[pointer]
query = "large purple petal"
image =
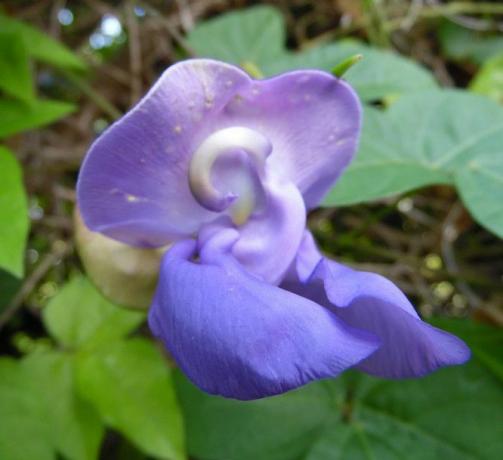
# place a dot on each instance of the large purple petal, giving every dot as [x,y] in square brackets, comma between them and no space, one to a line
[133,185]
[313,121]
[238,337]
[410,347]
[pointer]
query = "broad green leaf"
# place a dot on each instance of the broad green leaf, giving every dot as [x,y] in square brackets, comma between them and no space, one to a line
[460,43]
[17,116]
[252,35]
[131,386]
[281,427]
[435,137]
[15,72]
[450,415]
[486,342]
[379,74]
[13,215]
[24,433]
[40,414]
[41,46]
[256,35]
[75,428]
[480,183]
[79,315]
[489,79]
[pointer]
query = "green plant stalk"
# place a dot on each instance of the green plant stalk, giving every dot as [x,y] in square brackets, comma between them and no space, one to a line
[96,97]
[463,8]
[450,9]
[376,23]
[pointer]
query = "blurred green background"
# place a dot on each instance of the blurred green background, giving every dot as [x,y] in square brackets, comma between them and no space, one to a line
[81,378]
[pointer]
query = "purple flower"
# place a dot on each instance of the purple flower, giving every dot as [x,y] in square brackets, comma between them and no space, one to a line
[226,167]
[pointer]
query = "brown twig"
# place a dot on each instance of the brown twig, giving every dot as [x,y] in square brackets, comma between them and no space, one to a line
[59,250]
[171,27]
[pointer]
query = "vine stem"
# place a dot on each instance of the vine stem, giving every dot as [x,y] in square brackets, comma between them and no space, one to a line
[376,23]
[449,9]
[425,12]
[107,107]
[463,8]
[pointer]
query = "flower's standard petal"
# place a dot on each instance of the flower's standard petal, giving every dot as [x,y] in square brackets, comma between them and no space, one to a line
[312,120]
[410,347]
[133,185]
[238,337]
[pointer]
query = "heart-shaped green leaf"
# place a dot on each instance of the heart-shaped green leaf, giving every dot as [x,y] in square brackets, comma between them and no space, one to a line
[452,414]
[434,137]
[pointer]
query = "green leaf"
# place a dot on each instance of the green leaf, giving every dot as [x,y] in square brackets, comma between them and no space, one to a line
[449,415]
[17,116]
[13,215]
[24,433]
[437,137]
[281,427]
[130,385]
[460,43]
[489,79]
[480,184]
[252,35]
[378,75]
[9,285]
[40,413]
[80,316]
[41,46]
[256,36]
[75,428]
[486,342]
[15,71]
[452,414]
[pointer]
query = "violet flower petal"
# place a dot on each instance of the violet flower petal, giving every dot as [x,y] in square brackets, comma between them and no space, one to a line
[313,121]
[276,226]
[409,347]
[238,337]
[268,242]
[133,185]
[307,258]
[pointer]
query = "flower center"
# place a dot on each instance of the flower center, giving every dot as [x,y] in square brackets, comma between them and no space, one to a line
[237,155]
